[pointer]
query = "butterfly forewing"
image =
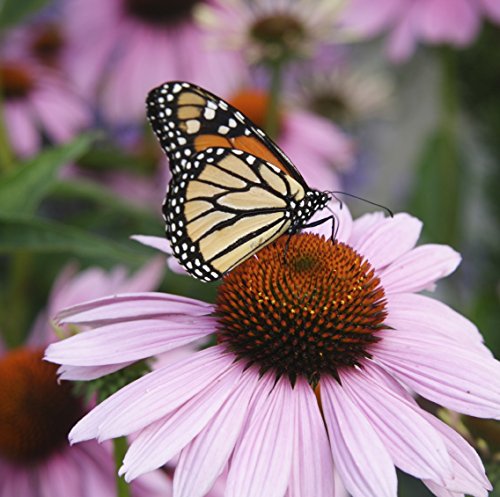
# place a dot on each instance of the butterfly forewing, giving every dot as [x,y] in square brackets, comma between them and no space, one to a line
[224,207]
[232,191]
[188,119]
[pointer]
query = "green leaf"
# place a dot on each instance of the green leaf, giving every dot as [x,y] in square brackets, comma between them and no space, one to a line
[14,11]
[35,234]
[437,189]
[88,190]
[22,190]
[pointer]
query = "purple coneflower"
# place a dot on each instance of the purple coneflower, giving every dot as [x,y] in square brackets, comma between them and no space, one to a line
[38,103]
[313,358]
[37,412]
[455,22]
[273,31]
[122,48]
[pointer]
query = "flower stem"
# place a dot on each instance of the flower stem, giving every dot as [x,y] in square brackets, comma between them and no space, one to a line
[120,447]
[6,155]
[14,322]
[449,163]
[272,116]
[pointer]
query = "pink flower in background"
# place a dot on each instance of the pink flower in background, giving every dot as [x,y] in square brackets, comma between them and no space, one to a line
[122,48]
[310,372]
[265,31]
[38,103]
[36,412]
[454,22]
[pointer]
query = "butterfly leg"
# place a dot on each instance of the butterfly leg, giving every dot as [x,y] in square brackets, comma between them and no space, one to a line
[333,219]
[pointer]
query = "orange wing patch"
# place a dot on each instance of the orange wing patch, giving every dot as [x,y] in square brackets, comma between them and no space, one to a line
[248,144]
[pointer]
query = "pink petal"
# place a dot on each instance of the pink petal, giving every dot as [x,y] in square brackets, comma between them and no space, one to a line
[204,459]
[455,377]
[18,481]
[23,135]
[424,315]
[132,306]
[403,38]
[412,442]
[362,224]
[492,9]
[153,396]
[158,442]
[129,341]
[387,240]
[453,21]
[86,373]
[370,18]
[419,269]
[468,470]
[262,460]
[156,242]
[61,114]
[359,456]
[312,465]
[146,278]
[343,222]
[60,476]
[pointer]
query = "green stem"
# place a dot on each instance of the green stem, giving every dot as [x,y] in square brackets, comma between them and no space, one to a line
[15,315]
[6,154]
[272,116]
[449,161]
[120,447]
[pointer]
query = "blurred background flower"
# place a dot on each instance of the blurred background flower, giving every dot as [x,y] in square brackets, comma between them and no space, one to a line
[37,411]
[120,49]
[80,170]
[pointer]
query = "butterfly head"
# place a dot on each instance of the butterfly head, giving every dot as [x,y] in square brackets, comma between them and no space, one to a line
[312,202]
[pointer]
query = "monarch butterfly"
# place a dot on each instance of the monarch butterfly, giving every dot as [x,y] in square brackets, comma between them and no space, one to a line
[232,191]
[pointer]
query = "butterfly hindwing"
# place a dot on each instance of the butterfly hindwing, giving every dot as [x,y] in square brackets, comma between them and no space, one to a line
[232,191]
[188,119]
[225,206]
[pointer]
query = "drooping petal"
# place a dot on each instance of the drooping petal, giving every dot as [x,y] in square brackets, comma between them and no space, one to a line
[155,242]
[419,269]
[17,481]
[427,315]
[414,445]
[492,9]
[60,476]
[132,306]
[448,21]
[389,239]
[129,341]
[455,377]
[87,373]
[359,455]
[23,134]
[158,442]
[262,460]
[367,18]
[312,465]
[153,396]
[402,40]
[468,471]
[204,459]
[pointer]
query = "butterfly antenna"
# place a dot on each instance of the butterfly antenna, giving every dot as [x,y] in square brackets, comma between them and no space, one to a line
[334,195]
